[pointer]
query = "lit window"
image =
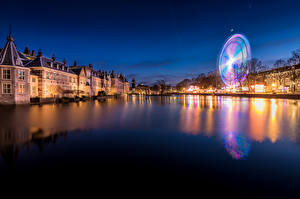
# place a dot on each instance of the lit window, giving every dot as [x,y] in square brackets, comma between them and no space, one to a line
[6,88]
[6,74]
[21,88]
[33,88]
[21,74]
[33,79]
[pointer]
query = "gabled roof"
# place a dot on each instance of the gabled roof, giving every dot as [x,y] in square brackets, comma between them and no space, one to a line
[26,58]
[77,71]
[9,54]
[49,63]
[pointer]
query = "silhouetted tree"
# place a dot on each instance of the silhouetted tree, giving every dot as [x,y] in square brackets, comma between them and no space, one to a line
[255,66]
[292,61]
[279,63]
[162,85]
[296,55]
[184,84]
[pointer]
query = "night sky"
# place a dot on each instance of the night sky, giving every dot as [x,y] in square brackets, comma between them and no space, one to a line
[151,39]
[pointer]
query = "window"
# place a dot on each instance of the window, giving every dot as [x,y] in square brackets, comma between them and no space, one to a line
[6,74]
[33,88]
[47,75]
[54,76]
[46,90]
[33,79]
[6,88]
[21,88]
[21,74]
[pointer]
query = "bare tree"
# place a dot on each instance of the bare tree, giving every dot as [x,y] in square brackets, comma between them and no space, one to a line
[255,66]
[292,61]
[296,56]
[279,63]
[241,72]
[162,85]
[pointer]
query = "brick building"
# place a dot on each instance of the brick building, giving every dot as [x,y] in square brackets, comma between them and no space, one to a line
[14,77]
[26,75]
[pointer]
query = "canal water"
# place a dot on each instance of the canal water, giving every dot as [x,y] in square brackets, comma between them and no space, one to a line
[235,144]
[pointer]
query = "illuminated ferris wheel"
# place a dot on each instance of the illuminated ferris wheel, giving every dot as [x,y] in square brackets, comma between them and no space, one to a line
[234,60]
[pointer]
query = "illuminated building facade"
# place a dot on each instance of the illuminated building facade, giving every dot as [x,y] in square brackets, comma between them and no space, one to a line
[14,77]
[283,79]
[26,75]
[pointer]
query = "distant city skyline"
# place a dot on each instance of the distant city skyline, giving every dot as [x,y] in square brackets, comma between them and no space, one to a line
[151,40]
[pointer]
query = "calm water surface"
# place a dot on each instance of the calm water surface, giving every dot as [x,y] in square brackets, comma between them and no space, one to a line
[241,144]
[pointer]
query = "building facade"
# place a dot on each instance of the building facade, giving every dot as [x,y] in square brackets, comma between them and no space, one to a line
[25,75]
[283,79]
[14,77]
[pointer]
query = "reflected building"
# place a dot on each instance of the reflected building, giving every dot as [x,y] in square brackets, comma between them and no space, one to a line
[235,120]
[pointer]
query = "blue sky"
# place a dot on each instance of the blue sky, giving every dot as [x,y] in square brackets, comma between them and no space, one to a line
[152,39]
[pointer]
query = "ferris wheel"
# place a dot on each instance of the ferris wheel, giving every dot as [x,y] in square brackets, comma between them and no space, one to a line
[234,60]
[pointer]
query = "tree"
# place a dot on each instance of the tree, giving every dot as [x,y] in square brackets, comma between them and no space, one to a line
[296,56]
[155,88]
[183,84]
[255,66]
[162,85]
[279,63]
[292,61]
[295,59]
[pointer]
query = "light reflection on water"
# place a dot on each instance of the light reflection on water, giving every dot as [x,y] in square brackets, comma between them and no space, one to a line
[261,119]
[253,119]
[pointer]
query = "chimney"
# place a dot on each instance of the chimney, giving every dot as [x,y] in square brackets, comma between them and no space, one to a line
[33,53]
[53,57]
[64,61]
[26,51]
[40,53]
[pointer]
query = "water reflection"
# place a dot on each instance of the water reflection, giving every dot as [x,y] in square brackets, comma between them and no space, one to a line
[235,120]
[261,119]
[236,144]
